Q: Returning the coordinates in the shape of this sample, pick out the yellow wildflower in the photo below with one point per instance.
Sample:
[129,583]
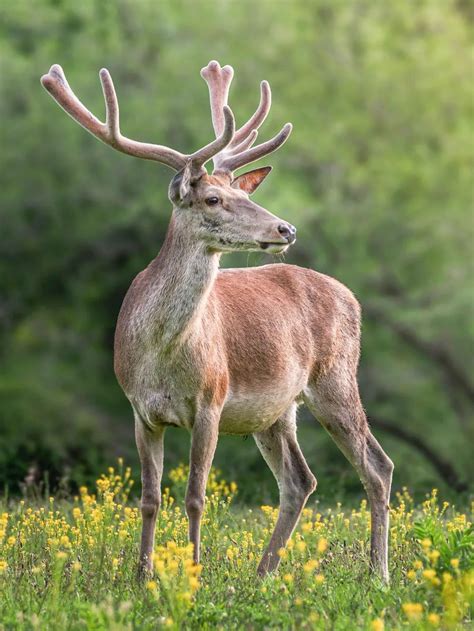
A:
[433,619]
[319,578]
[454,563]
[322,545]
[413,611]
[193,583]
[310,565]
[377,624]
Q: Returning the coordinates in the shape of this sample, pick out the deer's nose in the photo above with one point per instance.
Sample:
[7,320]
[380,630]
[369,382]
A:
[287,231]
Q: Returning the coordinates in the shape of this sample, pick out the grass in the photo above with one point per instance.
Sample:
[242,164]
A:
[71,564]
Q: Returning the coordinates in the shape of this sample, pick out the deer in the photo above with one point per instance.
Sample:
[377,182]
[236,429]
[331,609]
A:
[234,351]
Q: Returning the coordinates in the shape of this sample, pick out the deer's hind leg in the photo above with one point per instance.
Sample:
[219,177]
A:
[334,400]
[279,447]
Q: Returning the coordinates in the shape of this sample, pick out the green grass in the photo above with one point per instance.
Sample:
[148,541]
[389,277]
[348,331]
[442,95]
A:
[71,564]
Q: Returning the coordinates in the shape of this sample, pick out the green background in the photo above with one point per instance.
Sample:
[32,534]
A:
[377,177]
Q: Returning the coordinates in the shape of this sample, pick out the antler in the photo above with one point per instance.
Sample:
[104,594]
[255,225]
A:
[109,132]
[238,152]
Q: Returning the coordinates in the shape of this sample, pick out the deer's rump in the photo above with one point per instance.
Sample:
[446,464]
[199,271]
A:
[282,326]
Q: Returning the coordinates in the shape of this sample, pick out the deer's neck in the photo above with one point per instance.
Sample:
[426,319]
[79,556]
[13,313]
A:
[180,280]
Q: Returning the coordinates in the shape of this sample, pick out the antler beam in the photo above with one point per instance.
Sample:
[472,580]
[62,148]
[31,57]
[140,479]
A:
[109,132]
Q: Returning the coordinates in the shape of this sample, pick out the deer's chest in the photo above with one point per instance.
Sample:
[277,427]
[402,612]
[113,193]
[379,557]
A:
[165,407]
[164,392]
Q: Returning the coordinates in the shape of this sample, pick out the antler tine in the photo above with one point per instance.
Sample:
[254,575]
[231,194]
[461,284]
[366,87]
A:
[245,144]
[56,84]
[258,117]
[218,81]
[109,132]
[228,163]
[199,158]
[112,118]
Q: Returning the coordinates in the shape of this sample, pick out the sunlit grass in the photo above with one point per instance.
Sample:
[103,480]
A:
[72,565]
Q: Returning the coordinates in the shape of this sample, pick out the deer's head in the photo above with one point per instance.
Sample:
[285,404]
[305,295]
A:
[215,209]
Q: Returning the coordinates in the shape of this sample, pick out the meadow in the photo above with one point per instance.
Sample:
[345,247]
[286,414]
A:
[70,563]
[377,178]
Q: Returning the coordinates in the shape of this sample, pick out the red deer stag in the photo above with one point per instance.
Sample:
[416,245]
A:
[234,351]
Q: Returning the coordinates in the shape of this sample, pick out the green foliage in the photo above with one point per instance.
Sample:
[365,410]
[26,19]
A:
[376,176]
[37,447]
[451,543]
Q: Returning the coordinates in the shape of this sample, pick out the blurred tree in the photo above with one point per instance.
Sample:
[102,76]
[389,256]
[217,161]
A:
[376,176]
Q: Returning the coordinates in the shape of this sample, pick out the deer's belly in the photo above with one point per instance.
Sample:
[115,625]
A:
[258,399]
[247,412]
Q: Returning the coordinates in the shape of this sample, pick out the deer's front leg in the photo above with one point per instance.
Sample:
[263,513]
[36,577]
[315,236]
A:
[150,450]
[203,447]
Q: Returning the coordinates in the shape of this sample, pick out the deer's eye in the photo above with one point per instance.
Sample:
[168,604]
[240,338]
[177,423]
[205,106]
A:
[212,201]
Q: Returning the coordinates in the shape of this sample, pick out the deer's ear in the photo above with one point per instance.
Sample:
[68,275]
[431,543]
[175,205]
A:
[181,183]
[251,180]
[185,184]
